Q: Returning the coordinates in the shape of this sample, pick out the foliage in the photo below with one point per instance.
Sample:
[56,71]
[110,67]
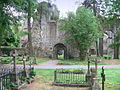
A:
[6,60]
[45,9]
[107,57]
[32,73]
[8,18]
[113,12]
[115,44]
[13,84]
[82,29]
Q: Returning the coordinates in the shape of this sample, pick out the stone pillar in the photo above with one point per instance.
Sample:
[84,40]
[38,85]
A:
[94,80]
[93,75]
[95,85]
[88,79]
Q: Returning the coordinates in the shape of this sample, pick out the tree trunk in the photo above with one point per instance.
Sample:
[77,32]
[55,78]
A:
[30,49]
[116,51]
[97,49]
[95,12]
[101,46]
[116,48]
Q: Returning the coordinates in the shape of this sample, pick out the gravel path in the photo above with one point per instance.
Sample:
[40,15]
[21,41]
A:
[52,64]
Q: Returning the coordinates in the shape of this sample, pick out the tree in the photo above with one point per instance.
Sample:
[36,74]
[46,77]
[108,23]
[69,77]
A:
[45,10]
[82,30]
[113,13]
[8,8]
[6,19]
[96,7]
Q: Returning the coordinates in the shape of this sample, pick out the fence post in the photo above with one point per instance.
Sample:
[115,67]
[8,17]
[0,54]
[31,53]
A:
[0,83]
[24,67]
[55,76]
[103,78]
[14,68]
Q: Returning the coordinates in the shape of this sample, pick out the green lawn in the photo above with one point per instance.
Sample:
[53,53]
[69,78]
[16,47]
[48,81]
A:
[77,61]
[9,60]
[38,61]
[61,56]
[112,77]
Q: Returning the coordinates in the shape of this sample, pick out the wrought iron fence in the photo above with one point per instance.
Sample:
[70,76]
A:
[70,77]
[9,78]
[4,81]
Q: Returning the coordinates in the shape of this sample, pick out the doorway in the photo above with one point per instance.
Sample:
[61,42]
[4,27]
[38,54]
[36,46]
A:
[60,51]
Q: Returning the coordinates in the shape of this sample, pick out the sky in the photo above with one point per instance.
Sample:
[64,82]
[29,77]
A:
[66,5]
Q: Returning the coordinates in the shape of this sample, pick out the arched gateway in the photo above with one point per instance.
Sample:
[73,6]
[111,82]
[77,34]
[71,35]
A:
[59,49]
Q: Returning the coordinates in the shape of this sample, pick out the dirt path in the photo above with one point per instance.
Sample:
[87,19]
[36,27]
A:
[52,64]
[42,84]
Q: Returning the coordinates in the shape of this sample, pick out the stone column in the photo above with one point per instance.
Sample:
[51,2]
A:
[95,85]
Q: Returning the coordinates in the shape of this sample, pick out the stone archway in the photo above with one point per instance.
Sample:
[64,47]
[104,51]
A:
[58,49]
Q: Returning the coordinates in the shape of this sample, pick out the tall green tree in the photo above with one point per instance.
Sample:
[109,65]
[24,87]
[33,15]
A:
[8,17]
[96,7]
[30,12]
[82,29]
[113,13]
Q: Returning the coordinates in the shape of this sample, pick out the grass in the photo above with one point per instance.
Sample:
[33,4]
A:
[112,79]
[9,60]
[77,61]
[61,56]
[38,61]
[42,60]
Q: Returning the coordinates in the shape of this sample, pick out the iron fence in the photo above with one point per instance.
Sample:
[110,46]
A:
[9,78]
[67,77]
[4,81]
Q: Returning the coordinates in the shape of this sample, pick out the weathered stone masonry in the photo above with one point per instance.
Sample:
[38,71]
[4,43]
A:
[47,38]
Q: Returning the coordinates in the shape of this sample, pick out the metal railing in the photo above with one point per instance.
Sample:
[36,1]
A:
[4,81]
[70,77]
[8,78]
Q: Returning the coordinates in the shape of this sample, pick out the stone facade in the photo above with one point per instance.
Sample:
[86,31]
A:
[45,39]
[48,40]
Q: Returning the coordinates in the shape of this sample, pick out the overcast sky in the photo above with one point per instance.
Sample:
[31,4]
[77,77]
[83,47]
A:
[66,5]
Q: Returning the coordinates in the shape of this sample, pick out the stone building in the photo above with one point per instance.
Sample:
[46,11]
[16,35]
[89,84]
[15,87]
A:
[48,40]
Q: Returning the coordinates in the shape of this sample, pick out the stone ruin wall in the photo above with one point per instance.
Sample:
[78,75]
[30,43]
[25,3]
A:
[45,38]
